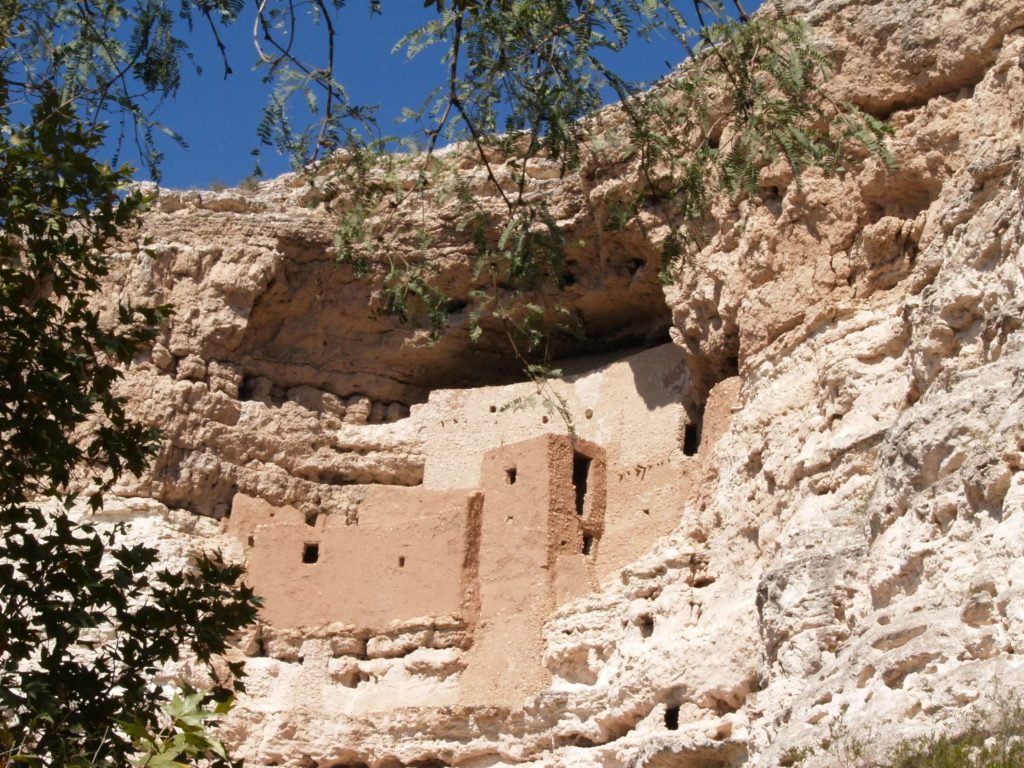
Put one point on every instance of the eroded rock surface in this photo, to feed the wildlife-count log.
(842, 562)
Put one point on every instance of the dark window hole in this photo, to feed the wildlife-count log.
(646, 625)
(251, 541)
(311, 519)
(691, 439)
(310, 553)
(401, 561)
(588, 543)
(672, 718)
(580, 476)
(510, 476)
(732, 367)
(247, 388)
(494, 409)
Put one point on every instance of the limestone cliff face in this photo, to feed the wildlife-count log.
(839, 563)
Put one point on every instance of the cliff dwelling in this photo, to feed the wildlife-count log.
(697, 579)
(516, 515)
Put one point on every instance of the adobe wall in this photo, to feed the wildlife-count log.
(412, 555)
(475, 572)
(534, 524)
(636, 409)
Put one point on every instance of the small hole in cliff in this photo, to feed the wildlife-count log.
(310, 553)
(672, 718)
(401, 561)
(494, 409)
(588, 413)
(311, 519)
(588, 543)
(251, 541)
(543, 419)
(510, 476)
(455, 306)
(691, 440)
(646, 624)
(646, 512)
(580, 475)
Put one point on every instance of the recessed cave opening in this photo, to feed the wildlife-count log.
(510, 476)
(311, 518)
(588, 543)
(310, 321)
(287, 338)
(310, 553)
(672, 717)
(646, 625)
(711, 375)
(401, 561)
(580, 476)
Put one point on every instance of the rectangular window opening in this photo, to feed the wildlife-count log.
(691, 440)
(310, 553)
(510, 476)
(311, 519)
(401, 561)
(588, 543)
(580, 475)
(672, 718)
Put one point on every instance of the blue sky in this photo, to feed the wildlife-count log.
(218, 117)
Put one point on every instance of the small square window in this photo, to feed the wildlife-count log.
(310, 553)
